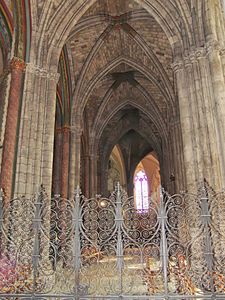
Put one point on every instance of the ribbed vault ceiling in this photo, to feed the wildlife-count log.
(122, 58)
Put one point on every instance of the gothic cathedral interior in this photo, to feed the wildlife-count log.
(107, 108)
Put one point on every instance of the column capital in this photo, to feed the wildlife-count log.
(212, 45)
(17, 63)
(177, 65)
(195, 54)
(42, 72)
(189, 57)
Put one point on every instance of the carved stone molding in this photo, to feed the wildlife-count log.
(194, 55)
(39, 71)
(212, 45)
(177, 65)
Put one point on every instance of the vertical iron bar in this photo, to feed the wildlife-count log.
(119, 250)
(76, 242)
(164, 254)
(206, 218)
(36, 248)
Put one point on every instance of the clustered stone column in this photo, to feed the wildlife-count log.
(10, 139)
(201, 91)
(177, 176)
(36, 133)
(61, 161)
(93, 174)
(86, 175)
(75, 153)
(5, 78)
(65, 161)
(56, 180)
(217, 69)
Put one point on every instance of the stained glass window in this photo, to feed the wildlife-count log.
(141, 191)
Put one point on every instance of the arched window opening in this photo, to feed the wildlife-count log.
(141, 191)
(147, 182)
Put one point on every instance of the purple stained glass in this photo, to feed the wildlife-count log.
(141, 191)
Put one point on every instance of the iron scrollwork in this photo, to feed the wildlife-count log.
(104, 247)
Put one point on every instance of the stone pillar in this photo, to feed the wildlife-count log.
(198, 119)
(65, 161)
(93, 175)
(201, 90)
(4, 88)
(216, 68)
(48, 135)
(10, 139)
(177, 177)
(36, 134)
(57, 162)
(98, 176)
(86, 175)
(75, 153)
(167, 165)
(222, 54)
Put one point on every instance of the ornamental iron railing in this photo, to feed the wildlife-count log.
(103, 248)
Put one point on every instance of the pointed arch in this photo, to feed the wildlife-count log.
(82, 99)
(64, 89)
(169, 16)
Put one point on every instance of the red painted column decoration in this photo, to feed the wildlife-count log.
(65, 161)
(9, 145)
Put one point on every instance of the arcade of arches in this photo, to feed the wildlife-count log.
(91, 88)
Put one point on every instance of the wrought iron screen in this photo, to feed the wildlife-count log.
(103, 248)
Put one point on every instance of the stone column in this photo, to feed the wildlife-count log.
(167, 165)
(93, 175)
(57, 162)
(86, 175)
(65, 161)
(185, 95)
(48, 133)
(198, 118)
(222, 54)
(75, 153)
(216, 57)
(36, 134)
(10, 138)
(177, 177)
(216, 69)
(4, 88)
